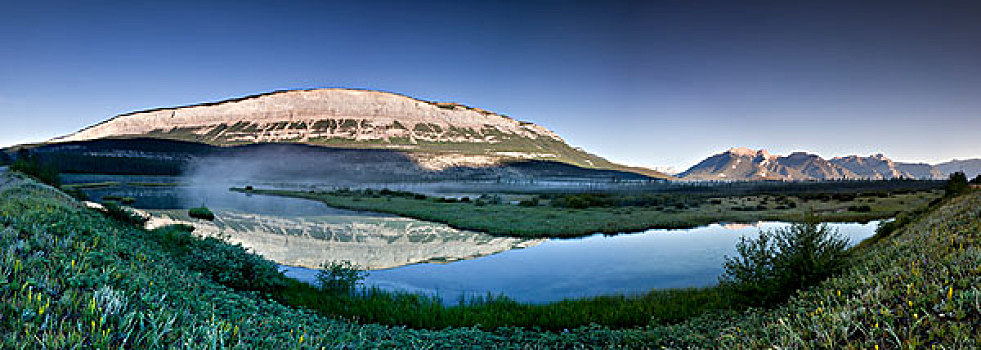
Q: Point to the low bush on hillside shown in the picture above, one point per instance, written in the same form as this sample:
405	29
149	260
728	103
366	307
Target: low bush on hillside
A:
228	264
119	213
770	268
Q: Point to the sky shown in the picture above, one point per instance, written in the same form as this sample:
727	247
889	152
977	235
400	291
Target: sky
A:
647	83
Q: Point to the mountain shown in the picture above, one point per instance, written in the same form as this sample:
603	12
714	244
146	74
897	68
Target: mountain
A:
748	164
738	164
437	134
970	167
878	167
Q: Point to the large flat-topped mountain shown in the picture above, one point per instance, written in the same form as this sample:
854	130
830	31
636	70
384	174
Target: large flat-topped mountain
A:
442	132
316	115
746	164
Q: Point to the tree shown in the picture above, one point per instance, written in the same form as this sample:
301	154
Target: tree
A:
770	268
956	185
977	180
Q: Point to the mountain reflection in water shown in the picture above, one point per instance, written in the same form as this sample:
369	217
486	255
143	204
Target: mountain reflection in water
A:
367	241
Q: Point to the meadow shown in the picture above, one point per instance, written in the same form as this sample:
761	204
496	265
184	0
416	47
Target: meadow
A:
572	215
73	277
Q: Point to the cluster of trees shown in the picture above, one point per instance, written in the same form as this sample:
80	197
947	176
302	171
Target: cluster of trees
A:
958	184
29	163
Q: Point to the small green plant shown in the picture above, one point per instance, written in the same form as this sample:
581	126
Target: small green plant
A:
202	213
340	277
772	267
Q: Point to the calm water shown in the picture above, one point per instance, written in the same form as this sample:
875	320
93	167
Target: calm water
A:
595	265
295	230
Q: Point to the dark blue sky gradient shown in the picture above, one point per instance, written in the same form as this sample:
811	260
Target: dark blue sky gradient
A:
644	83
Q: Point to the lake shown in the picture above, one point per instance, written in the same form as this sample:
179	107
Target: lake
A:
411	255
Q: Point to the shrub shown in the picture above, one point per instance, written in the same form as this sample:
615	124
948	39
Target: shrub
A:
860	208
116	212
770	268
340	277
202	213
976	180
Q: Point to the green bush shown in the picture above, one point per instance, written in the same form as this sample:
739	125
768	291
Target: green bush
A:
340	277
116	212
202	213
770	268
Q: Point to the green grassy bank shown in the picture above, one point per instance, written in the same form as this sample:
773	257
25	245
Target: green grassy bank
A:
542	218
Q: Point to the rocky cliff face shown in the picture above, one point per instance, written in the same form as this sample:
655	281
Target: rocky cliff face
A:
348	118
746	164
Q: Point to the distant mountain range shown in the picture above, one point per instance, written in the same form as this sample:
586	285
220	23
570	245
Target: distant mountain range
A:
738	164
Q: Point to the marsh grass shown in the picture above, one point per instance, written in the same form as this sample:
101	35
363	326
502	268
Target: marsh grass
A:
491	312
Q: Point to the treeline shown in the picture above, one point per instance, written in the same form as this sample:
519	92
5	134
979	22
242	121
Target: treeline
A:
29	163
88	164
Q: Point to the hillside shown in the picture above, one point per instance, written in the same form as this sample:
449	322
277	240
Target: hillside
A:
448	134
738	164
75	278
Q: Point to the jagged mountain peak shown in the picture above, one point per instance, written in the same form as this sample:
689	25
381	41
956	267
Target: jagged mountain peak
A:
745	164
747	152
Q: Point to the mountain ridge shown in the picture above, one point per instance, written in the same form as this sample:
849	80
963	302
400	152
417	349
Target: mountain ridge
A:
740	163
353	118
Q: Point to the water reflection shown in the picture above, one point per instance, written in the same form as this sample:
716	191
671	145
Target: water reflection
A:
591	266
373	242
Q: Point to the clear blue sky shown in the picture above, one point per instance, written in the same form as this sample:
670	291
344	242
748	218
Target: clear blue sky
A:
644	83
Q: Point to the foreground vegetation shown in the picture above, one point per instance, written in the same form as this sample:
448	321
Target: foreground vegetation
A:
71	277
584	214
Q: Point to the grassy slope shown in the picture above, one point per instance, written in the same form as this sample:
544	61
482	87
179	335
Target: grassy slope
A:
70	276
917	288
544	221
